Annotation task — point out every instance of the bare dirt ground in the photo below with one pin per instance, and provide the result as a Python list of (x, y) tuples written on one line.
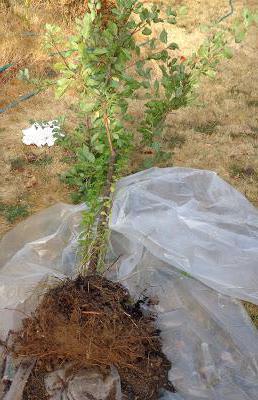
[(220, 134)]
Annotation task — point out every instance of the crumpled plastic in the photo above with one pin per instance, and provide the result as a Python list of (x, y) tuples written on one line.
[(37, 252), (194, 221), (41, 134), (19, 381), (182, 235), (86, 385)]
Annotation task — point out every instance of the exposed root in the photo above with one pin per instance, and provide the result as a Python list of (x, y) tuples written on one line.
[(93, 322)]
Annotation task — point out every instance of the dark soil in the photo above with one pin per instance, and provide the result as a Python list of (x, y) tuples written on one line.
[(93, 322), (35, 388)]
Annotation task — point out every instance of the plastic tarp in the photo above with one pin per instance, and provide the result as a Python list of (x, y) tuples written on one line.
[(40, 249), (182, 235), (194, 221)]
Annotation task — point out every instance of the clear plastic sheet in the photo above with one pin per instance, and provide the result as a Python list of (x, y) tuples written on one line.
[(86, 385), (167, 224), (207, 336), (19, 381), (194, 221), (37, 250)]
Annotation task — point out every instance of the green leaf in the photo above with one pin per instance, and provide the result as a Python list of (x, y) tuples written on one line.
[(98, 6), (163, 36), (239, 36), (211, 74), (87, 107), (138, 50), (179, 92), (112, 27), (155, 56), (92, 82), (131, 24), (145, 14), (100, 51), (228, 52), (248, 17), (153, 44), (52, 29), (155, 146), (100, 147), (128, 117), (183, 10), (171, 21), (85, 155), (156, 85), (170, 12), (23, 74), (204, 28), (146, 31), (86, 26), (62, 85), (148, 163), (126, 54), (163, 155), (114, 84), (164, 55), (203, 51), (115, 135), (146, 84), (173, 46), (138, 6)]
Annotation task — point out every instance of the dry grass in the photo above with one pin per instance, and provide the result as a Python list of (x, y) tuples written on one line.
[(69, 9), (20, 32), (221, 132), (228, 103), (36, 185), (252, 310)]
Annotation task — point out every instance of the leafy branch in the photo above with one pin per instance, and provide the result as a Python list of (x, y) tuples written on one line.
[(106, 67)]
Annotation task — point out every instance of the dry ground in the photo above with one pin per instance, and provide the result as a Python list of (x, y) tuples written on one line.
[(220, 134)]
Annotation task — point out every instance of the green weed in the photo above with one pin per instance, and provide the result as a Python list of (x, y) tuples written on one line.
[(252, 103), (12, 212), (43, 161), (208, 128), (250, 135), (17, 163), (68, 159), (177, 140), (254, 129), (238, 171)]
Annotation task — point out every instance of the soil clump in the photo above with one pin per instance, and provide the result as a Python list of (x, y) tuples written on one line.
[(92, 322)]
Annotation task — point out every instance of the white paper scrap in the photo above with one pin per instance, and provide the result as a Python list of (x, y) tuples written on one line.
[(41, 134)]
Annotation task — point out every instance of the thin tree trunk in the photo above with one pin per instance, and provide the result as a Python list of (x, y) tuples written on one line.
[(102, 219)]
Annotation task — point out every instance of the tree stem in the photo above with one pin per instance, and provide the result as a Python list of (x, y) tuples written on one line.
[(106, 123), (96, 248)]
